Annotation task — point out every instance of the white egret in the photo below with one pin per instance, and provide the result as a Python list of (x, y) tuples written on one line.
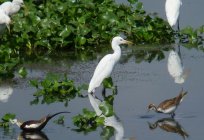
[(4, 21), (175, 67), (172, 8), (11, 8), (106, 64)]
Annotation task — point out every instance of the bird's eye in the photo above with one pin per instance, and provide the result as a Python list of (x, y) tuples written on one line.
[(121, 39)]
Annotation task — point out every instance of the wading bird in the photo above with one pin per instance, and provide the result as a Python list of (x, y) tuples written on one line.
[(106, 64), (34, 125), (172, 8), (11, 8), (168, 106)]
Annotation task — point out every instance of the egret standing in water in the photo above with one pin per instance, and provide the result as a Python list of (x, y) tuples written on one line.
[(172, 8), (11, 8), (107, 63)]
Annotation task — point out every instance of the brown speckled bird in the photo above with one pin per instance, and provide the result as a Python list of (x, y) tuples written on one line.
[(169, 106)]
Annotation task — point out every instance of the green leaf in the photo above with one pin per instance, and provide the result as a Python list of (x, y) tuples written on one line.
[(106, 109), (22, 72), (108, 83)]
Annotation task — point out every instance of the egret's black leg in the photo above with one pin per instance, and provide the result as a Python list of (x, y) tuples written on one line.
[(178, 26), (115, 92), (172, 115), (104, 92)]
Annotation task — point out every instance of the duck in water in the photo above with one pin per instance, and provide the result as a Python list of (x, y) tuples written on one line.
[(34, 125)]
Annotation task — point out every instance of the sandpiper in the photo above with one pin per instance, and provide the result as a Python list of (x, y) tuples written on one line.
[(34, 125), (169, 106)]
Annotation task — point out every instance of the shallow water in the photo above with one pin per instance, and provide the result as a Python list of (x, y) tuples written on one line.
[(138, 85)]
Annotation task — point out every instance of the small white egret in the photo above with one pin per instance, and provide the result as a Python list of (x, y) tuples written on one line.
[(11, 8), (4, 21), (172, 8), (106, 64)]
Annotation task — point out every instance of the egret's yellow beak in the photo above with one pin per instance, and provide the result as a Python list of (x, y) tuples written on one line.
[(127, 42)]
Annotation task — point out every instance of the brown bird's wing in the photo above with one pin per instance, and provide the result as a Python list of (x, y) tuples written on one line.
[(165, 104)]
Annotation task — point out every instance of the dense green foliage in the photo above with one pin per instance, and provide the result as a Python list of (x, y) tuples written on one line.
[(54, 88), (82, 23)]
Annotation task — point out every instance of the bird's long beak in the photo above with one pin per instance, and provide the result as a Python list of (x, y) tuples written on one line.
[(127, 42)]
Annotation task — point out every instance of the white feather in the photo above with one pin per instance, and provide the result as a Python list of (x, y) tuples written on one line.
[(33, 125), (167, 111), (11, 8), (172, 8)]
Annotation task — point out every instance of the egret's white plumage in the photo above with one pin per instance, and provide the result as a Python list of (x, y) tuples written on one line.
[(175, 67), (11, 8), (172, 8), (107, 63), (4, 19)]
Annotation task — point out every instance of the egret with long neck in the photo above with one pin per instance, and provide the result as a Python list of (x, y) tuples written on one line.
[(106, 64)]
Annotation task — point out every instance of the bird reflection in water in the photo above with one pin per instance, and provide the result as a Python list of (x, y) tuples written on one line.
[(169, 125), (38, 135), (175, 66), (112, 121), (5, 92)]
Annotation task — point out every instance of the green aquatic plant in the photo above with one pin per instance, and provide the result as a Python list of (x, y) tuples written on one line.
[(87, 121), (193, 37), (54, 88), (66, 24), (8, 62), (5, 120)]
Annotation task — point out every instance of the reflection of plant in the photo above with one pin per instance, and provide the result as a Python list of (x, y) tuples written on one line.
[(88, 121), (54, 88), (6, 119), (107, 133)]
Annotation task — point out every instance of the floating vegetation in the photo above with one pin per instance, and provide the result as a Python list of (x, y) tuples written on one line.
[(6, 120), (54, 88), (87, 121), (66, 24)]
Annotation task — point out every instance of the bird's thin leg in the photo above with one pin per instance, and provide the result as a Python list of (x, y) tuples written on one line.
[(115, 90), (178, 26), (179, 53), (104, 92), (172, 115)]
